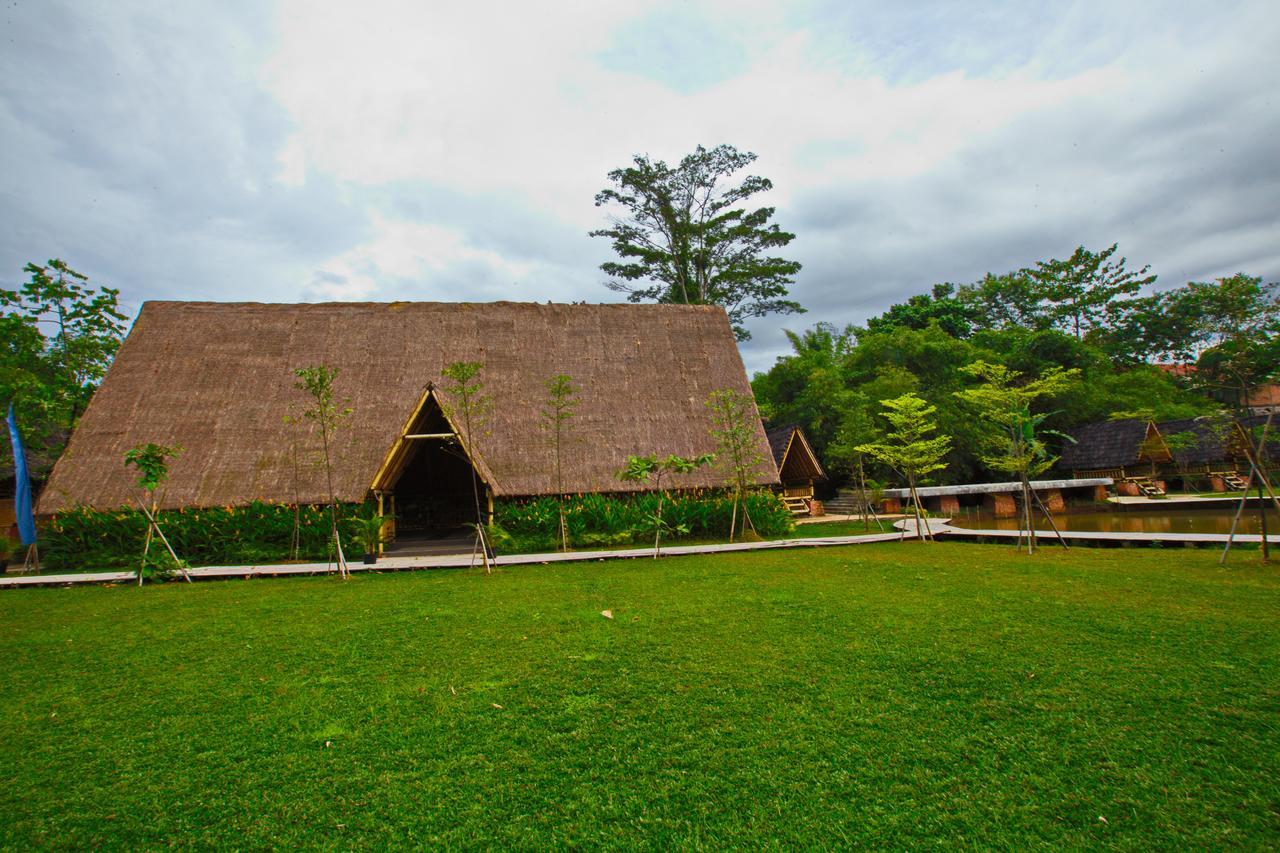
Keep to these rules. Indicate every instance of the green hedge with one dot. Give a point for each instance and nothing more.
(602, 520)
(90, 540)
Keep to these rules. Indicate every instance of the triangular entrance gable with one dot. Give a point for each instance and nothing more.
(423, 425)
(799, 462)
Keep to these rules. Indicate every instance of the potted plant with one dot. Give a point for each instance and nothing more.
(369, 536)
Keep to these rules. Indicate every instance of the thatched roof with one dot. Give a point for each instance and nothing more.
(217, 379)
(1211, 440)
(1109, 444)
(793, 454)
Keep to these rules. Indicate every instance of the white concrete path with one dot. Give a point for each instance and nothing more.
(941, 527)
(395, 564)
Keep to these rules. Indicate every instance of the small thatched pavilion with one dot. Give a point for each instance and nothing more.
(218, 379)
(1128, 451)
(798, 467)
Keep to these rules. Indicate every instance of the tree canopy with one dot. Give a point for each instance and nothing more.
(58, 335)
(1087, 322)
(684, 235)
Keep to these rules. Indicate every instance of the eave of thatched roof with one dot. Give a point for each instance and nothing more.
(217, 379)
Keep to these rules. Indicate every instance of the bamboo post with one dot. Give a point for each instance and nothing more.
(1049, 516)
(32, 561)
(146, 549)
(151, 519)
(1262, 523)
(1255, 454)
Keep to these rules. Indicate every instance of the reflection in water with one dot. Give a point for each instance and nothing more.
(1132, 521)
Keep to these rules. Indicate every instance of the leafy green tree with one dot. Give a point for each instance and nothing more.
(650, 470)
(1014, 437)
(955, 316)
(557, 416)
(470, 406)
(1011, 300)
(1080, 289)
(1238, 320)
(684, 236)
(735, 426)
(908, 447)
(856, 428)
(328, 413)
(801, 388)
(58, 336)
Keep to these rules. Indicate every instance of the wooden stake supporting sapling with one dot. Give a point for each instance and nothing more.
(1257, 469)
(152, 462)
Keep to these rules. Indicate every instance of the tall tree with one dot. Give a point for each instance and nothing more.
(1003, 301)
(684, 236)
(909, 448)
(1238, 321)
(956, 316)
(1080, 289)
(58, 336)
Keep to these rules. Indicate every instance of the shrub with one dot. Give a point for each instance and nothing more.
(608, 520)
(87, 539)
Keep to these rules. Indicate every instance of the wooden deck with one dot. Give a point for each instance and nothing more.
(398, 564)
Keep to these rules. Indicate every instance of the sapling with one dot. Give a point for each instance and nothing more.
(152, 462)
(470, 407)
(328, 413)
(736, 427)
(557, 418)
(646, 469)
(1014, 436)
(907, 447)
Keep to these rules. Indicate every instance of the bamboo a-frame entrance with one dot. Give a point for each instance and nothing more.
(424, 484)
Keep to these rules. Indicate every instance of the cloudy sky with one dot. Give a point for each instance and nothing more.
(308, 151)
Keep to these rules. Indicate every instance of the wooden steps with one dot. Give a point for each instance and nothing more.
(798, 506)
(1148, 487)
(1234, 482)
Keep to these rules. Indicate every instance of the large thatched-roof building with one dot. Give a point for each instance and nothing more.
(218, 379)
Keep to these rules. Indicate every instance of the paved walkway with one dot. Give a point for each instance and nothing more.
(1183, 501)
(395, 564)
(941, 527)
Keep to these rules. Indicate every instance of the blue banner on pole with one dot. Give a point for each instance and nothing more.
(21, 486)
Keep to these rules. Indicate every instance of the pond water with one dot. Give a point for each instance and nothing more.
(1172, 520)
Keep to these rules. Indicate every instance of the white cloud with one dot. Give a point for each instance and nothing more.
(395, 149)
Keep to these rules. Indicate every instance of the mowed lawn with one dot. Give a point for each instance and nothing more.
(892, 695)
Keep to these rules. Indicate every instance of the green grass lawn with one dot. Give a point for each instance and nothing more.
(891, 695)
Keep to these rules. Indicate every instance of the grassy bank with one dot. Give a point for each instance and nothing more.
(895, 694)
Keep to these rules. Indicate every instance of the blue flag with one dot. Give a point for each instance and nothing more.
(21, 486)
